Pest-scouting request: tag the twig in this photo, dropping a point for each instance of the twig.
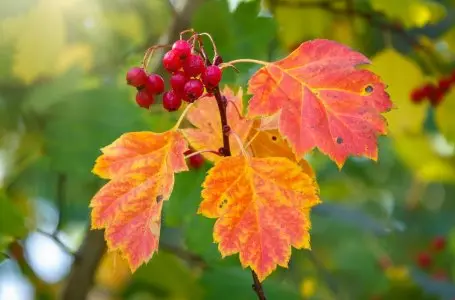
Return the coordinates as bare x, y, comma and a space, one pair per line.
55, 238
257, 286
61, 190
185, 255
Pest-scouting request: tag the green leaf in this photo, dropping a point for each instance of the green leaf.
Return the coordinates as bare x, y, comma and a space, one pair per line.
444, 116
12, 222
199, 239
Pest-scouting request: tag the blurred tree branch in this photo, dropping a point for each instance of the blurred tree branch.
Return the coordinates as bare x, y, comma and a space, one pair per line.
81, 278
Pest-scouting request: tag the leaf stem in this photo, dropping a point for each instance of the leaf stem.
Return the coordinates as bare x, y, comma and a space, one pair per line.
182, 116
257, 286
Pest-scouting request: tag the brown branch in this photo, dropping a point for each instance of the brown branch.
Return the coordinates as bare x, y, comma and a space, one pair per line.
373, 17
89, 255
257, 286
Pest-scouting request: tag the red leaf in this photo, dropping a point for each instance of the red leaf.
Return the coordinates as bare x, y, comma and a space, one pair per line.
322, 100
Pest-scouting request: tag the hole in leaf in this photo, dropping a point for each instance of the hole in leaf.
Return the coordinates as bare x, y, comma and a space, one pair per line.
274, 138
369, 89
339, 140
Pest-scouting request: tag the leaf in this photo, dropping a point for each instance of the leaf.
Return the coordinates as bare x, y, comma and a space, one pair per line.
391, 65
321, 100
262, 206
205, 117
141, 167
444, 116
12, 222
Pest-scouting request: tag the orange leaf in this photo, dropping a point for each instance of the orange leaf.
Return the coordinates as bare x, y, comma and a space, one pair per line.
205, 117
321, 100
141, 167
262, 206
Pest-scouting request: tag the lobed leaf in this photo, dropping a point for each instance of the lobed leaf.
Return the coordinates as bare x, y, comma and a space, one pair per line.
262, 206
320, 99
141, 167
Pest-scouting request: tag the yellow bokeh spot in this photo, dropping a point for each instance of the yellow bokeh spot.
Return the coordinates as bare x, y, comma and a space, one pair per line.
397, 273
308, 287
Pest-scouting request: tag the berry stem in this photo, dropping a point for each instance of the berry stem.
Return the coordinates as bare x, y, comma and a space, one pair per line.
243, 60
148, 55
182, 116
202, 151
215, 50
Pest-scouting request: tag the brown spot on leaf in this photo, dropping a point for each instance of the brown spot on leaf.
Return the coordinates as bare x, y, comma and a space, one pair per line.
339, 140
369, 89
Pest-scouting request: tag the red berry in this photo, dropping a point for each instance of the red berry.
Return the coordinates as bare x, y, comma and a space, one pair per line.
193, 90
183, 48
211, 76
155, 84
196, 161
171, 61
436, 97
439, 243
444, 83
136, 77
385, 262
417, 95
144, 98
193, 65
428, 90
424, 260
171, 101
178, 80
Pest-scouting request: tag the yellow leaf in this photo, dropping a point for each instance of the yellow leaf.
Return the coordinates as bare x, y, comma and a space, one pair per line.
113, 272
411, 12
444, 116
80, 55
402, 76
127, 24
41, 39
398, 273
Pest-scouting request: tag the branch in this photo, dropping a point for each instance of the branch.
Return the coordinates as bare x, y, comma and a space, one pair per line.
373, 17
89, 255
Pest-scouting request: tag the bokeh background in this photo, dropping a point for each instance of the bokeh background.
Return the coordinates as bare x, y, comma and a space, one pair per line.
386, 230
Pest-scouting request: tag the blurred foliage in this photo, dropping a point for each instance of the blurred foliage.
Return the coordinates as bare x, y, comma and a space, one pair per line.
63, 96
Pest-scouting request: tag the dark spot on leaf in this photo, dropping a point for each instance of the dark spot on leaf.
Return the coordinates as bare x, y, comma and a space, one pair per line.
159, 198
274, 138
339, 140
369, 89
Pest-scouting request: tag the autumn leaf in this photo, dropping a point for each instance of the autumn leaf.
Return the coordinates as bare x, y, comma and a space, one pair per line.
322, 100
262, 206
141, 167
205, 117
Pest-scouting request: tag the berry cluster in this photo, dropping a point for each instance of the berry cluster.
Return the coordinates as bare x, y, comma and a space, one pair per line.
433, 92
190, 76
426, 259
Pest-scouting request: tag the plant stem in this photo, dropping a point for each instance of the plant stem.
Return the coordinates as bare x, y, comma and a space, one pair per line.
257, 286
222, 104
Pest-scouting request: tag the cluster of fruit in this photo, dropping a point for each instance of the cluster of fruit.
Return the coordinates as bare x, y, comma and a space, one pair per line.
426, 259
433, 92
189, 76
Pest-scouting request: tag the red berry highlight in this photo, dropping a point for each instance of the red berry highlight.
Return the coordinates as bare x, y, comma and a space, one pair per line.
424, 260
438, 243
194, 65
171, 61
196, 161
211, 76
193, 90
136, 77
178, 80
144, 98
171, 101
182, 48
155, 84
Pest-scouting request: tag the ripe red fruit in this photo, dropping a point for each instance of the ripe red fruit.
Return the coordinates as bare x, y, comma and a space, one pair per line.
428, 90
436, 97
144, 98
444, 83
171, 101
424, 260
438, 243
182, 48
178, 80
171, 61
196, 161
417, 95
136, 77
193, 89
155, 84
193, 65
211, 76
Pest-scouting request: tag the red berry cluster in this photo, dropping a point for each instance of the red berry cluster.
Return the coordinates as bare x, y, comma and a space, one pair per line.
189, 76
433, 92
426, 259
